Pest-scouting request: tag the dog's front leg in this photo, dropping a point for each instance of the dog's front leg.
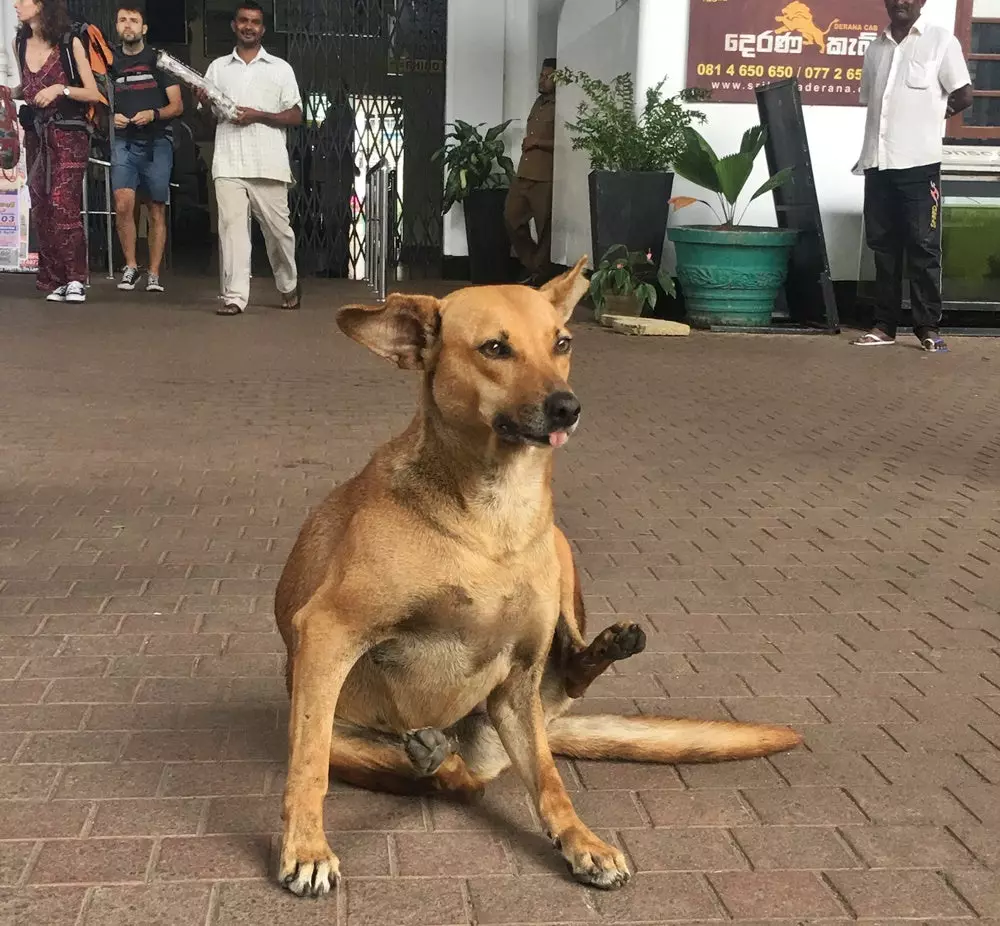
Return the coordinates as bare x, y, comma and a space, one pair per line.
325, 651
515, 708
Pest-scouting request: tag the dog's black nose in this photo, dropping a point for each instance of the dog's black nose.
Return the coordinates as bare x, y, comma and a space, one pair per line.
562, 409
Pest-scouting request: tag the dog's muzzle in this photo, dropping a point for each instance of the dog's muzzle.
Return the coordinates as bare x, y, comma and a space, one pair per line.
549, 423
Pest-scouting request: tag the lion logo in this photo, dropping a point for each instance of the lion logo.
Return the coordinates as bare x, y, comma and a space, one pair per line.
797, 17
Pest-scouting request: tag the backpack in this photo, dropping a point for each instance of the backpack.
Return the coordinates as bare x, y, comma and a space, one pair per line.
99, 54
10, 139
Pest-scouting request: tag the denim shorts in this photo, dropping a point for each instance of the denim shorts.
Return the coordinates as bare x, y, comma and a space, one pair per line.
144, 165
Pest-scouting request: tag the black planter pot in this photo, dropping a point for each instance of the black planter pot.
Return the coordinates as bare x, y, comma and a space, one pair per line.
486, 234
630, 208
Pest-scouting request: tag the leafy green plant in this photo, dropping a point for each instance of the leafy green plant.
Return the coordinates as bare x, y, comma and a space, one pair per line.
627, 273
473, 161
724, 176
611, 133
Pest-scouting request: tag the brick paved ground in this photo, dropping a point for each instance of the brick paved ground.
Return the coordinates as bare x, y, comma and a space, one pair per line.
810, 535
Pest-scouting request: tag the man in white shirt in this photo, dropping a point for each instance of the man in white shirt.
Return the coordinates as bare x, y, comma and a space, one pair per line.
250, 166
914, 76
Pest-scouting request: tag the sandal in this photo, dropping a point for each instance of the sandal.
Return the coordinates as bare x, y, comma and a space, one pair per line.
292, 300
873, 339
934, 345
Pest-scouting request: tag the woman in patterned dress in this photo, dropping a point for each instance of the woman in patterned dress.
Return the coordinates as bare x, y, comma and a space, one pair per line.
57, 146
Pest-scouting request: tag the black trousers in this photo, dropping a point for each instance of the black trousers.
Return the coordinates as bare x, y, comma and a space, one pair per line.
903, 221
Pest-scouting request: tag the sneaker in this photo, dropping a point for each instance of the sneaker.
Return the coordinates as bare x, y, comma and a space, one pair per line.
934, 345
153, 284
76, 292
129, 278
57, 295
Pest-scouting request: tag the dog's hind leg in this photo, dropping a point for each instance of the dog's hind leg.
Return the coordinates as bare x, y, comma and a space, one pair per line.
577, 663
619, 641
421, 762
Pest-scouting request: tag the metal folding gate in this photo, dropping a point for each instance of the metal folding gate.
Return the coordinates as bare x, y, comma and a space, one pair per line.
372, 78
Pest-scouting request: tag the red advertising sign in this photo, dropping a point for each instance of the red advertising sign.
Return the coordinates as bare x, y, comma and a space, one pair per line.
736, 45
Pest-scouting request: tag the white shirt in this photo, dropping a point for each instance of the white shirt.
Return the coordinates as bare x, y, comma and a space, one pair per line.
906, 86
254, 151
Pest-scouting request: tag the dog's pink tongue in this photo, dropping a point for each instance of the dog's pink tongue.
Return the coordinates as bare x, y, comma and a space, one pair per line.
558, 438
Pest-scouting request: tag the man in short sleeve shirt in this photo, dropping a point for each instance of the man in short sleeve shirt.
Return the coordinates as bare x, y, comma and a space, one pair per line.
146, 101
250, 166
914, 76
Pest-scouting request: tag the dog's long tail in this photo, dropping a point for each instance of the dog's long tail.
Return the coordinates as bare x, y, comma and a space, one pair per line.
664, 739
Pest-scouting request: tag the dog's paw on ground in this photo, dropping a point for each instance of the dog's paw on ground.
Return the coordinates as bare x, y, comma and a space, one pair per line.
312, 875
427, 749
592, 861
619, 641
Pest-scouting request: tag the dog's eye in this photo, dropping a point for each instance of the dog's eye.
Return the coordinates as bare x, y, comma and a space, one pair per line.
564, 345
495, 349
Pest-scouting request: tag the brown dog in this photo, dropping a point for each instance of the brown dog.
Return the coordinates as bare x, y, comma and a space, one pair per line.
436, 580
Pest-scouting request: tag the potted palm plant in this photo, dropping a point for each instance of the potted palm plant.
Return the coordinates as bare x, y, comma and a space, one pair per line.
730, 274
631, 152
478, 173
622, 283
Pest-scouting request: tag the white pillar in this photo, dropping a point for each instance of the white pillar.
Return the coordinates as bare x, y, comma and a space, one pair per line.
520, 64
474, 82
8, 27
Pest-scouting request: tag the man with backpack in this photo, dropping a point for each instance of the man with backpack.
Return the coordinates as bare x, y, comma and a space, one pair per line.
146, 100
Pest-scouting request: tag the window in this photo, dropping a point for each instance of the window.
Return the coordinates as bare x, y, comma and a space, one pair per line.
977, 25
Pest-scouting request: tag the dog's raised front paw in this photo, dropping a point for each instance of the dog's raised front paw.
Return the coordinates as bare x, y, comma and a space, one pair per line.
619, 641
427, 749
592, 861
309, 873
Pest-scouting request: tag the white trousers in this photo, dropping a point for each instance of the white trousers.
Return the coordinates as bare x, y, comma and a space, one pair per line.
268, 201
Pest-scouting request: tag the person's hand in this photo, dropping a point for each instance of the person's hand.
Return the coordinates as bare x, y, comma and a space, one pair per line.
247, 116
202, 96
527, 144
143, 118
121, 122
48, 95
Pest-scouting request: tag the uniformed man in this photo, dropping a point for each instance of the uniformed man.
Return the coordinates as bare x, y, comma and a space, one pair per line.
530, 195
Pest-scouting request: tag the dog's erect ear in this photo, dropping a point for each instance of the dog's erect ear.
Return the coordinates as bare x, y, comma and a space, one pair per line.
401, 329
565, 291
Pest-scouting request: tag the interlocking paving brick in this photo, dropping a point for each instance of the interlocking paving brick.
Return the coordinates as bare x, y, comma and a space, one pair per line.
795, 847
454, 854
696, 808
14, 858
698, 848
142, 905
907, 847
777, 551
95, 781
147, 817
92, 861
59, 906
887, 894
816, 806
776, 895
212, 858
416, 902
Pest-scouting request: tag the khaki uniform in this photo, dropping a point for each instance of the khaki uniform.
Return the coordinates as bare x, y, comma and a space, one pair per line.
530, 195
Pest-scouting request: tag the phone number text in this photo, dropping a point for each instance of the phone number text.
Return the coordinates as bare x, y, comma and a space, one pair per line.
806, 72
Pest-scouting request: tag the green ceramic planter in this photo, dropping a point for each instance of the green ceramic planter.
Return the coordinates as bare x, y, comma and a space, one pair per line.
731, 277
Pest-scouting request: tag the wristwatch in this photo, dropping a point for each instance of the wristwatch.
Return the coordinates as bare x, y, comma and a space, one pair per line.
66, 91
